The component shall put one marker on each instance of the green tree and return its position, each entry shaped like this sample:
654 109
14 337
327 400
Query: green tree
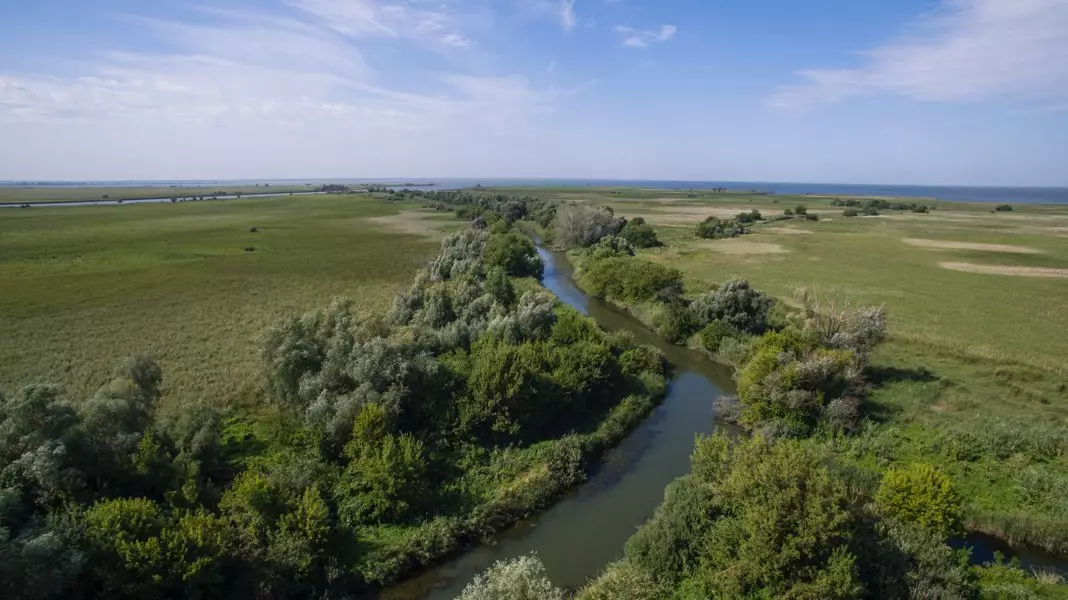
515 253
920 494
522 578
639 234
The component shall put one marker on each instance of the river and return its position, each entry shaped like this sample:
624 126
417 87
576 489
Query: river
586 530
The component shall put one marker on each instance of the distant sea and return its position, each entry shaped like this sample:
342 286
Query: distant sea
1021 195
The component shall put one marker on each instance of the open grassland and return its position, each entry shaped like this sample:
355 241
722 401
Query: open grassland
84 287
974 377
33 195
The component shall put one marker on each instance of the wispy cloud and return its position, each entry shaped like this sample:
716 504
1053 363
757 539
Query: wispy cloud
241 70
964 51
562 11
641 38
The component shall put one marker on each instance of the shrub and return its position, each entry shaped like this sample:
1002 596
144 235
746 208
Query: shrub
622 580
716 228
676 323
922 208
801 210
670 543
385 480
1003 208
812 217
714 333
639 234
735 303
850 212
922 495
789 212
514 253
749 217
870 211
609 246
522 578
579 226
630 279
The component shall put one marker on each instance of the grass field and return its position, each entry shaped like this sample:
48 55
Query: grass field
33 195
975 375
84 287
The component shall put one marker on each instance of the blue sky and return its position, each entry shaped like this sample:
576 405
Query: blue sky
902 91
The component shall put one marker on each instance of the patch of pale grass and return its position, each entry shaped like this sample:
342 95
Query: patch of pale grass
742 246
785 230
950 245
1005 270
415 222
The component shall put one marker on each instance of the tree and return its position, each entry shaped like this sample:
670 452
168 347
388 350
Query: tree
522 578
579 226
639 234
716 228
737 304
515 253
922 495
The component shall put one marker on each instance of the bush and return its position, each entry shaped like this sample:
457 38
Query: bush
850 212
514 253
579 226
801 210
749 217
521 578
789 212
922 495
676 323
714 333
812 217
639 234
1003 208
630 279
735 303
870 211
716 228
609 246
670 543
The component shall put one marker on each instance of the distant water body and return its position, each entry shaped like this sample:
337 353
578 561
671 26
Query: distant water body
1020 195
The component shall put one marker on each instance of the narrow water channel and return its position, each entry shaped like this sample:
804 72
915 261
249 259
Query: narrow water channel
586 530
579 535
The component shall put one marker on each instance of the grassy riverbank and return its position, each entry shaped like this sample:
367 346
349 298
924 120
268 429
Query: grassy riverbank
972 378
86 286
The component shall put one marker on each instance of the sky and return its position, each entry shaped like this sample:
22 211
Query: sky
956 92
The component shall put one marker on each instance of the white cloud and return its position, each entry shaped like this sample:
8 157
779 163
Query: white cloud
567 14
641 38
562 11
455 40
964 51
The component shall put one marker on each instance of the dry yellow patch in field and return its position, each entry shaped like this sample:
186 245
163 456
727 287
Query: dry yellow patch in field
1005 270
415 222
741 246
785 230
949 245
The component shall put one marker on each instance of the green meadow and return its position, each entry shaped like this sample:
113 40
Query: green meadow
190 284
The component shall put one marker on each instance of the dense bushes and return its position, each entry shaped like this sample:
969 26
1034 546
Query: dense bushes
630 279
735 303
716 228
514 253
523 578
580 226
921 495
756 519
444 419
639 234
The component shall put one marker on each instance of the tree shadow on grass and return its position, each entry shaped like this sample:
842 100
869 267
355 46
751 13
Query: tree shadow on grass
879 376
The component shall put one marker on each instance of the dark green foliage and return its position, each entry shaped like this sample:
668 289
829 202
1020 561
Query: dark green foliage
609 246
801 210
670 544
630 279
500 287
788 212
639 234
850 212
716 228
1003 208
737 304
676 322
514 253
749 217
714 333
812 217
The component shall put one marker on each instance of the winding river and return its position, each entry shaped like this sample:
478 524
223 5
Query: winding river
586 530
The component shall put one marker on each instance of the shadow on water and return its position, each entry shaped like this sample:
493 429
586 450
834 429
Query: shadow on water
586 530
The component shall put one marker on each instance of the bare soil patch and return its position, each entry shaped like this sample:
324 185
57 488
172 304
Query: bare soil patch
949 245
415 222
1005 270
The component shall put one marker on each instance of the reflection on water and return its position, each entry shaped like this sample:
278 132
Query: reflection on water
585 531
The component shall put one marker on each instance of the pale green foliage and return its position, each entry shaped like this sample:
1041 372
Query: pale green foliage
920 494
522 578
735 303
836 323
579 226
622 580
532 319
461 254
611 245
